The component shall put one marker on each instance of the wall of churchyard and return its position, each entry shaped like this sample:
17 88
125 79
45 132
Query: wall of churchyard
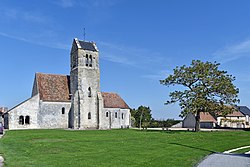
24 115
53 115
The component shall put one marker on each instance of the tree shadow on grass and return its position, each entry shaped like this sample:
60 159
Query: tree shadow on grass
164 131
197 148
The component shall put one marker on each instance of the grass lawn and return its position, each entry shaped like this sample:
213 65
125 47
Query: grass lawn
114 147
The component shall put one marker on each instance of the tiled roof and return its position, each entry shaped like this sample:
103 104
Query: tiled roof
113 100
52 87
206 117
235 114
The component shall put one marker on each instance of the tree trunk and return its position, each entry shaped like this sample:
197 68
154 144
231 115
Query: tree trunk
140 120
197 122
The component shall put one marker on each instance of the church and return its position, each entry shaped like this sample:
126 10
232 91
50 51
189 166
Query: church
71 101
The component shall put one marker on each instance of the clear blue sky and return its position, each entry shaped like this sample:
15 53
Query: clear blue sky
140 42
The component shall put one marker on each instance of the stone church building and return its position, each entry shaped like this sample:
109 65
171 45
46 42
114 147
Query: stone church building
75 101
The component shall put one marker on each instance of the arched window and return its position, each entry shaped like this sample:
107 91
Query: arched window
27 119
21 120
87 60
107 114
115 114
89 92
89 115
63 110
122 115
90 60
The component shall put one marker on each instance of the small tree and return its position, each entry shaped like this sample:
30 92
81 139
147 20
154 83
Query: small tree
206 89
142 115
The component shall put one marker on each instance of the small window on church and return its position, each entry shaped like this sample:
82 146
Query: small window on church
63 110
87 60
115 114
21 120
89 92
122 115
107 114
89 115
90 60
27 120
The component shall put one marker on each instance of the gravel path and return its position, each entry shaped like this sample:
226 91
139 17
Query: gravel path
226 160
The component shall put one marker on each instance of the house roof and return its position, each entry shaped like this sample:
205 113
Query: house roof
206 117
53 87
235 114
113 100
244 109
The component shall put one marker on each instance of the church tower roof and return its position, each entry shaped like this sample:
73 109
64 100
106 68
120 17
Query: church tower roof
85 45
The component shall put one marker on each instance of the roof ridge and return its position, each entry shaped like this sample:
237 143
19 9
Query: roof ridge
52 74
111 92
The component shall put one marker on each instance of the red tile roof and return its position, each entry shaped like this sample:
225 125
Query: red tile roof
235 114
52 87
113 100
206 117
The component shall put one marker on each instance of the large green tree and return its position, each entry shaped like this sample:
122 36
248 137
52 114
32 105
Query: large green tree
205 89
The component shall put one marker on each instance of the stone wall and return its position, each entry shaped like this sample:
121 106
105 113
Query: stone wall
52 115
115 118
29 108
85 84
126 121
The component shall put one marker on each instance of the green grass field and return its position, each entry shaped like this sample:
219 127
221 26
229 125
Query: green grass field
114 147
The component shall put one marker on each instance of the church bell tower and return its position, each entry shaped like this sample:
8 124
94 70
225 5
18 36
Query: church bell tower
84 84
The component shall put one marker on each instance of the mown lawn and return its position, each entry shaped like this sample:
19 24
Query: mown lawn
114 147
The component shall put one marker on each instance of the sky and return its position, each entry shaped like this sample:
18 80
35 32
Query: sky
140 42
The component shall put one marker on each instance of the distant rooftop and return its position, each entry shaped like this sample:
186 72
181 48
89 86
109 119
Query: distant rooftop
207 117
244 109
